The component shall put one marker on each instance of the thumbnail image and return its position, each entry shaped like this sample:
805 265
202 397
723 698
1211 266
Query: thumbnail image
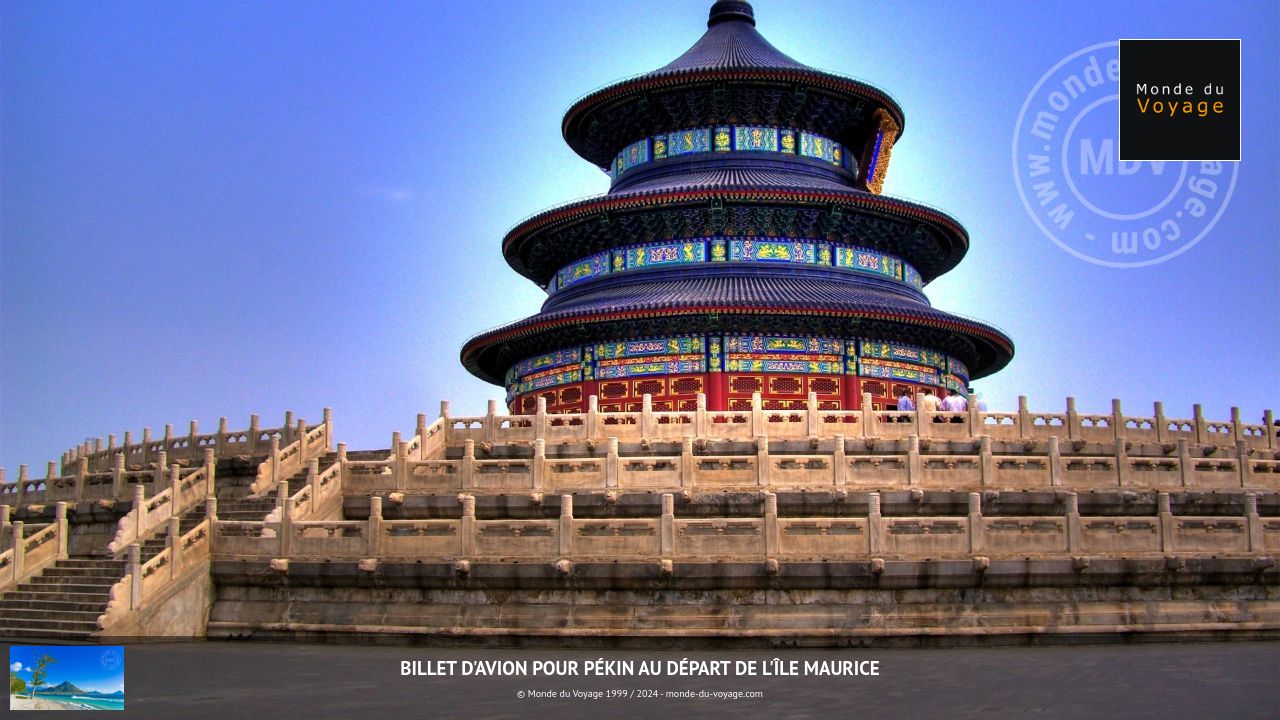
59 677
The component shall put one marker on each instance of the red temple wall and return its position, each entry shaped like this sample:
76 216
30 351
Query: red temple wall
724 391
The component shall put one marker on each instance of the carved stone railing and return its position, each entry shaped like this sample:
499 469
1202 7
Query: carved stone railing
28 556
255 440
430 440
708 465
78 486
768 536
406 456
284 461
320 496
98 471
183 556
648 424
185 491
164 573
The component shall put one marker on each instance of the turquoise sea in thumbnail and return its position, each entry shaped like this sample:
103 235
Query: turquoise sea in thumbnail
92 702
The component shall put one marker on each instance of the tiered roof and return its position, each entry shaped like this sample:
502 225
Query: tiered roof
732 74
733 77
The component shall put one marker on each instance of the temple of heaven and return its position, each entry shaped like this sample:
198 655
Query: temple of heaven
743 247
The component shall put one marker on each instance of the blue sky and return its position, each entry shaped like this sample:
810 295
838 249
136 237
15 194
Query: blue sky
85 666
225 208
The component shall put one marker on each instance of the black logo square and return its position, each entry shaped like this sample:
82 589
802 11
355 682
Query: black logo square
1180 100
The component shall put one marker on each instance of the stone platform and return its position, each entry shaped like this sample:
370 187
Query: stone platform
793 604
698 528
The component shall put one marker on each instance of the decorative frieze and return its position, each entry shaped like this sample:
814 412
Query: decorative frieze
737 355
747 249
734 138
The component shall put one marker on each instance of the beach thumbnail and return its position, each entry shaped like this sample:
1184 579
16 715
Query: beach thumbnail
61 677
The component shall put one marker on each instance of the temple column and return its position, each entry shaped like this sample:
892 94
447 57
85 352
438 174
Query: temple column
717 391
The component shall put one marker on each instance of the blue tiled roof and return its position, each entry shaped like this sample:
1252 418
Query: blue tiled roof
738 287
597 126
731 292
731 42
735 177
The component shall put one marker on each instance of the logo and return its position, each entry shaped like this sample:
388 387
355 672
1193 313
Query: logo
1180 99
111 658
1069 175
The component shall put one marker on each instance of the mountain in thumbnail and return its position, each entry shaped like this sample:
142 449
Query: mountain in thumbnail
63 688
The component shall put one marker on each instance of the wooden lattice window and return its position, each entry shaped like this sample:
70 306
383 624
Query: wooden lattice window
529 404
745 384
874 387
686 386
613 389
824 386
784 386
571 395
650 387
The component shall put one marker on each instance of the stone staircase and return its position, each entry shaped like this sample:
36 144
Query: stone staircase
234 502
238 502
62 603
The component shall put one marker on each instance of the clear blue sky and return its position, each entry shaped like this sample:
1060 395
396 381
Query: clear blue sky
224 208
84 666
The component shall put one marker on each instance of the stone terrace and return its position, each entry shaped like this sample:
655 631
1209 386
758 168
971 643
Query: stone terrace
793 527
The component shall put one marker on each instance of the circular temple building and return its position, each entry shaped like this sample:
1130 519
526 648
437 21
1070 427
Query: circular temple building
743 247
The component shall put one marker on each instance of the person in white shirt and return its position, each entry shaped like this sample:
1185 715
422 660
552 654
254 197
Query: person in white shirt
955 402
930 403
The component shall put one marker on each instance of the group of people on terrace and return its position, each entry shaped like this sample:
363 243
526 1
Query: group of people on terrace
953 402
